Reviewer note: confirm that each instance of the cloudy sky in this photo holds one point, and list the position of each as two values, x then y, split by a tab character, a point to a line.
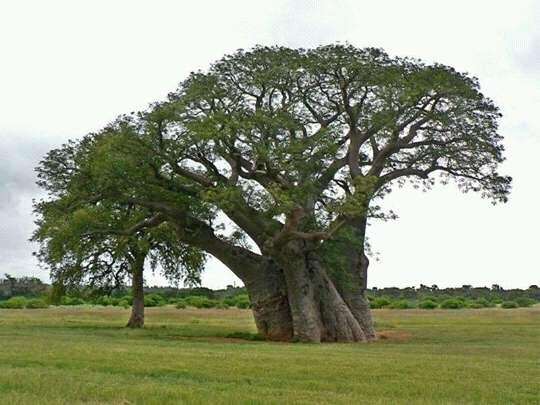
69	67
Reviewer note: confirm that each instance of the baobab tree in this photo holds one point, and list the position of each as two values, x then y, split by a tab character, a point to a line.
294	149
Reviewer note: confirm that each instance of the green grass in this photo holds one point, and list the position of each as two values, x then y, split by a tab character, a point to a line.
84	355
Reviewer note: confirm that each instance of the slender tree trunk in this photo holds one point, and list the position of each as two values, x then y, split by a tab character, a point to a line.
137	286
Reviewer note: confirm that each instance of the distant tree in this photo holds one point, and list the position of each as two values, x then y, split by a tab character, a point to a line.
296	148
21	286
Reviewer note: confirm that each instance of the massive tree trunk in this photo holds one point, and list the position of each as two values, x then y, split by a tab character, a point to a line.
292	296
354	294
264	280
318	311
137	286
353	290
267	291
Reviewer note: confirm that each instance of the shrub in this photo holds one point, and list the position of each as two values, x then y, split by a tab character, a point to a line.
15	303
67	300
242	301
124	303
154	300
36	303
222	305
452	303
380	302
427	304
482	303
196	300
200	301
104	300
428	298
230	301
524	301
180	303
509	304
210	303
127	298
401	304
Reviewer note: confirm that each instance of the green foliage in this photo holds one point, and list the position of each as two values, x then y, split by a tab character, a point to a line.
453	303
401	304
14	303
127	298
36	303
242	301
509	304
483	303
427	304
198	301
524	301
355	204
230	301
181	304
380	302
125	303
246	336
21	286
106	300
154	300
67	300
88	239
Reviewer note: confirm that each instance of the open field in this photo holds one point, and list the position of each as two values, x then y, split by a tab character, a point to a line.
84	355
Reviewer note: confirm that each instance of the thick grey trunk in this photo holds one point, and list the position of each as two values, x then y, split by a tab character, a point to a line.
137	285
269	302
318	311
354	294
355	285
306	317
291	294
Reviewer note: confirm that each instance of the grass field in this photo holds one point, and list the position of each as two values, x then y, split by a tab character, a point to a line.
84	355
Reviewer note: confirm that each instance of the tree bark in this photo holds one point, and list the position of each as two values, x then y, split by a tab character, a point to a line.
353	291
137	286
291	293
267	292
354	296
261	275
318	311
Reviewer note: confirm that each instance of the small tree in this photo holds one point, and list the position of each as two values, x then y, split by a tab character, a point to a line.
85	242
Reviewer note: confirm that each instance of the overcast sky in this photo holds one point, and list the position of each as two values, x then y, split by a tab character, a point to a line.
70	67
